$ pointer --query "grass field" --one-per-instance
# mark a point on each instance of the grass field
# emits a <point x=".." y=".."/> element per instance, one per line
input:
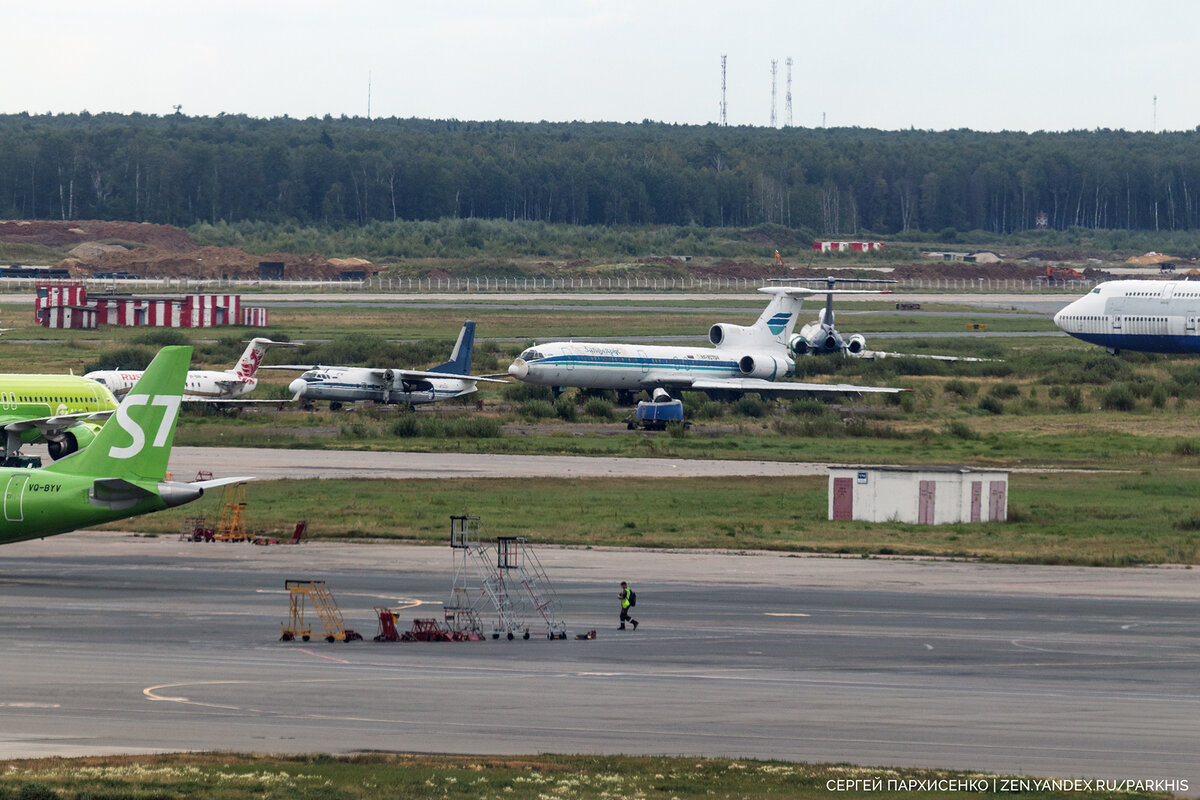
<point x="1100" y="519"/>
<point x="1045" y="402"/>
<point x="412" y="777"/>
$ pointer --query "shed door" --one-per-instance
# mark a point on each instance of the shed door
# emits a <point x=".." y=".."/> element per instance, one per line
<point x="976" y="500"/>
<point x="925" y="502"/>
<point x="997" y="500"/>
<point x="843" y="498"/>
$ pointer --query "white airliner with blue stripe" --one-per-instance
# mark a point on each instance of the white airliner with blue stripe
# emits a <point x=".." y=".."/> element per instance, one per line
<point x="1147" y="316"/>
<point x="391" y="386"/>
<point x="742" y="359"/>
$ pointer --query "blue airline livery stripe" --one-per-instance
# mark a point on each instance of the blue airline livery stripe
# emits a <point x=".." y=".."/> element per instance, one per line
<point x="628" y="361"/>
<point x="1149" y="342"/>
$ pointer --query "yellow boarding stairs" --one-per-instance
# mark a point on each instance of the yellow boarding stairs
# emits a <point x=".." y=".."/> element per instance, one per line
<point x="301" y="593"/>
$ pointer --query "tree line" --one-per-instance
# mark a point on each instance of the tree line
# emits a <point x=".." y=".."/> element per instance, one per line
<point x="338" y="172"/>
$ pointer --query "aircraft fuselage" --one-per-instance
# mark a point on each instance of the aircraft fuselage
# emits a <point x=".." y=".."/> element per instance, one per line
<point x="632" y="367"/>
<point x="39" y="503"/>
<point x="353" y="384"/>
<point x="1146" y="316"/>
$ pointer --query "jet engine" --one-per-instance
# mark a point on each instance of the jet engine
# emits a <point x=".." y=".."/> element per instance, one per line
<point x="661" y="395"/>
<point x="721" y="333"/>
<point x="856" y="344"/>
<point x="766" y="367"/>
<point x="798" y="345"/>
<point x="69" y="441"/>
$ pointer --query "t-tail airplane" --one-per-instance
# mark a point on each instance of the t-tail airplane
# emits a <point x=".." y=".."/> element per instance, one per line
<point x="821" y="337"/>
<point x="410" y="387"/>
<point x="65" y="411"/>
<point x="743" y="359"/>
<point x="1144" y="316"/>
<point x="202" y="384"/>
<point x="121" y="474"/>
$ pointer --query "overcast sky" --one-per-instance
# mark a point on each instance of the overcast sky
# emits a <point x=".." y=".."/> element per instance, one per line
<point x="931" y="64"/>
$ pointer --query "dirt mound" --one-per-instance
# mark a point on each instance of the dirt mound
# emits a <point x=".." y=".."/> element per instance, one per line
<point x="1150" y="259"/>
<point x="201" y="262"/>
<point x="49" y="233"/>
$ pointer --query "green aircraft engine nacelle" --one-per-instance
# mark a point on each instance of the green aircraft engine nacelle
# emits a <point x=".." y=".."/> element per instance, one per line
<point x="74" y="438"/>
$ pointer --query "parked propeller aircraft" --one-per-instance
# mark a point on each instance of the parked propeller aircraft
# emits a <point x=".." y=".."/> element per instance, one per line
<point x="202" y="384"/>
<point x="820" y="337"/>
<point x="394" y="386"/>
<point x="742" y="359"/>
<point x="121" y="474"/>
<point x="64" y="410"/>
<point x="1147" y="316"/>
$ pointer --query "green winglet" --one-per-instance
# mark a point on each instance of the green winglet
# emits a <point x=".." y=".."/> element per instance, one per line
<point x="136" y="442"/>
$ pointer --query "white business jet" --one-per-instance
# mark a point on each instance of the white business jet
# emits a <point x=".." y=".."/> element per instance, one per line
<point x="742" y="359"/>
<point x="202" y="384"/>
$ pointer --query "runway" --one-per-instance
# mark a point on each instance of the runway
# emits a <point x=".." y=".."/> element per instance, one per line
<point x="269" y="464"/>
<point x="121" y="644"/>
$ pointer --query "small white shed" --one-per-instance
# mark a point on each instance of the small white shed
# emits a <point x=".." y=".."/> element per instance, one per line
<point x="923" y="495"/>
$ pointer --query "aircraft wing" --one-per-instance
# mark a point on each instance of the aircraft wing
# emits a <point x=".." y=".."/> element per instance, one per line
<point x="230" y="400"/>
<point x="422" y="375"/>
<point x="51" y="426"/>
<point x="873" y="354"/>
<point x="766" y="388"/>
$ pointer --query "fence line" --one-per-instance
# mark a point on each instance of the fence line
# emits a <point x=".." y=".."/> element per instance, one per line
<point x="586" y="284"/>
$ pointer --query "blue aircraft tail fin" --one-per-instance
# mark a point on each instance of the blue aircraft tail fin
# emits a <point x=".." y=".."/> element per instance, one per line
<point x="460" y="357"/>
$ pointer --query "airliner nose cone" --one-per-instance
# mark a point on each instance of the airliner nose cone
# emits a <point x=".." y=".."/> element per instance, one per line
<point x="518" y="369"/>
<point x="297" y="387"/>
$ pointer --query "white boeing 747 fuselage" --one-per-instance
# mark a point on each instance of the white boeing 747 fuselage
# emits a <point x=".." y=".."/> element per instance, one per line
<point x="1143" y="315"/>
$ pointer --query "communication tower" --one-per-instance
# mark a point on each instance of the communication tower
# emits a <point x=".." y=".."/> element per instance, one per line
<point x="724" y="118"/>
<point x="774" y="69"/>
<point x="787" y="103"/>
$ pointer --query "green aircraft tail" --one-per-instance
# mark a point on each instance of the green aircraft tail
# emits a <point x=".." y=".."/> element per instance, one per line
<point x="135" y="442"/>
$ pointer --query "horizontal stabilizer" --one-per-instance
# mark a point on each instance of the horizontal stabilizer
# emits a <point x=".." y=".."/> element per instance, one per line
<point x="214" y="482"/>
<point x="117" y="494"/>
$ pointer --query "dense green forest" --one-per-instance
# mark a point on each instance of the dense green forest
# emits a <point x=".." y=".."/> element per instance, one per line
<point x="351" y="171"/>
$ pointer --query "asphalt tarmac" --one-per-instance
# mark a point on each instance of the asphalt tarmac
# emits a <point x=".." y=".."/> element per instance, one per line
<point x="121" y="644"/>
<point x="268" y="464"/>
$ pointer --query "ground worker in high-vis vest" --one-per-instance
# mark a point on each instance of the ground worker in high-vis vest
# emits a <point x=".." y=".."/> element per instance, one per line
<point x="628" y="601"/>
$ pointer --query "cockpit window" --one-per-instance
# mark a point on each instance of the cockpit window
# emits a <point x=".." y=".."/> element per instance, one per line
<point x="1096" y="290"/>
<point x="531" y="355"/>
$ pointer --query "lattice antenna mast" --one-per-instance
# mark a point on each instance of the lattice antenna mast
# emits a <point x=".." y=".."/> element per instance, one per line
<point x="774" y="69"/>
<point x="787" y="103"/>
<point x="724" y="118"/>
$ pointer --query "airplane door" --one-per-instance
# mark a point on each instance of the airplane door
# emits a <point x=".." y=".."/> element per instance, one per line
<point x="570" y="359"/>
<point x="644" y="360"/>
<point x="1190" y="326"/>
<point x="14" y="498"/>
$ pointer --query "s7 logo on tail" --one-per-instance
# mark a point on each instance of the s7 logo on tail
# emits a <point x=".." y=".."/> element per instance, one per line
<point x="169" y="402"/>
